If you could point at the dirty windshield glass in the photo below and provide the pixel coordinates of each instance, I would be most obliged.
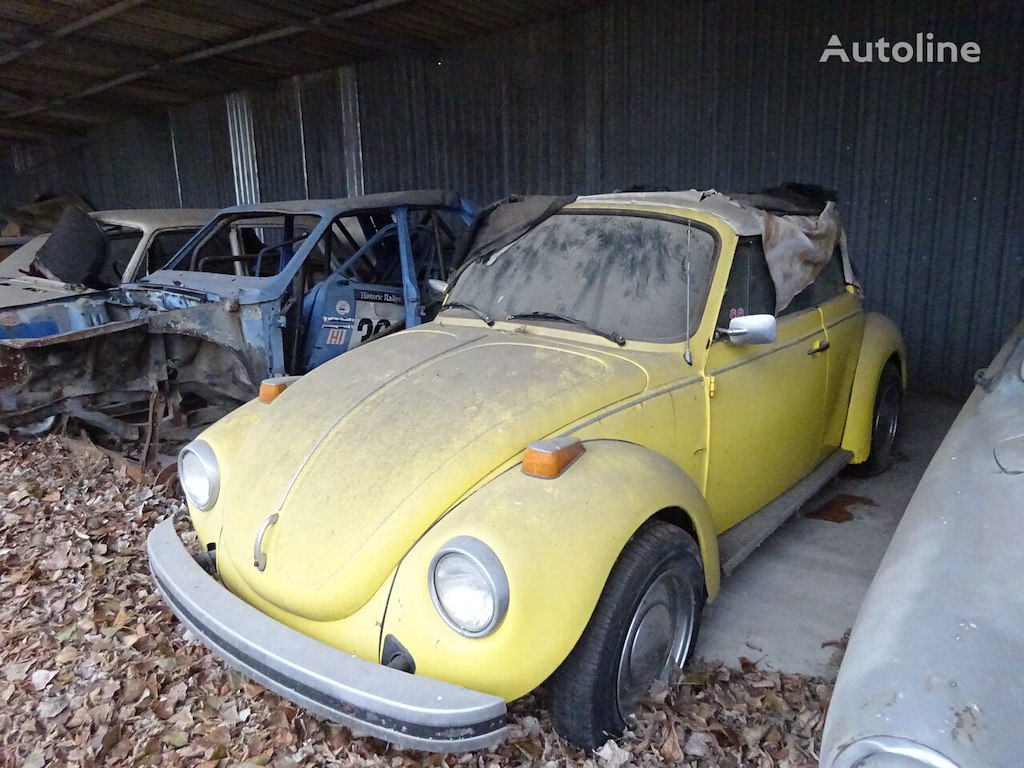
(618, 273)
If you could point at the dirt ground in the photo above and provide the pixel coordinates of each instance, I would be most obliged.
(94, 670)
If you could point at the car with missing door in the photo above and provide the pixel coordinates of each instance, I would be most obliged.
(621, 397)
(263, 290)
(91, 251)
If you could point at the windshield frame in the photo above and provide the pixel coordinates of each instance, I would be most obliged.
(698, 309)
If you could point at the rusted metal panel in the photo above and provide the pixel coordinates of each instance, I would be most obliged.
(183, 346)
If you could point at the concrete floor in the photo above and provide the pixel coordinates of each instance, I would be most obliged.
(802, 587)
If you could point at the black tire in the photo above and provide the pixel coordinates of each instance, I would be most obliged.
(885, 422)
(656, 584)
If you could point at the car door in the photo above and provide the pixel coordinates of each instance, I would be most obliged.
(766, 402)
(842, 314)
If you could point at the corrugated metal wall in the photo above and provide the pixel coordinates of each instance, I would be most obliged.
(928, 159)
(27, 171)
(132, 164)
(203, 154)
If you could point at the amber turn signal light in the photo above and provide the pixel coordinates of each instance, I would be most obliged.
(550, 458)
(271, 388)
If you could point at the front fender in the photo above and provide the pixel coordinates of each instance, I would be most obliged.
(881, 342)
(557, 541)
(225, 437)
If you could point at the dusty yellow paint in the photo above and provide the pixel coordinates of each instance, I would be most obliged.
(766, 419)
(881, 342)
(575, 526)
(379, 457)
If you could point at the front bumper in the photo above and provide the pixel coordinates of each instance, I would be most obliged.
(410, 711)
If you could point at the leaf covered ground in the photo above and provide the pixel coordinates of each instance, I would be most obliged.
(94, 670)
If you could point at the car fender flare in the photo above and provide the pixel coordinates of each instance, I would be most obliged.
(882, 342)
(577, 524)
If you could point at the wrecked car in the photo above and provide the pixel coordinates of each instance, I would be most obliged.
(929, 678)
(91, 251)
(621, 397)
(263, 290)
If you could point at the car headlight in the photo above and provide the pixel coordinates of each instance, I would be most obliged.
(469, 587)
(199, 474)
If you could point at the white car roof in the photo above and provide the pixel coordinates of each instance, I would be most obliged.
(157, 218)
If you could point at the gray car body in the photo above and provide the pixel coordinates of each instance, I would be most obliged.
(931, 675)
(18, 286)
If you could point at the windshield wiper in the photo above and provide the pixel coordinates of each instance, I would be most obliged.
(618, 338)
(475, 310)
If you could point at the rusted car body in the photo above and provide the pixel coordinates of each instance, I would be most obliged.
(125, 245)
(263, 290)
(930, 678)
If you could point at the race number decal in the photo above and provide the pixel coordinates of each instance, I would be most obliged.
(367, 328)
(376, 311)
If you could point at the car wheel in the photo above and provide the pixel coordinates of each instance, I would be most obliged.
(643, 629)
(885, 422)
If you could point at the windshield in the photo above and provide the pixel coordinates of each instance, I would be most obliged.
(616, 272)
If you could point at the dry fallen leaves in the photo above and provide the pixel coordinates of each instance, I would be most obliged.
(94, 670)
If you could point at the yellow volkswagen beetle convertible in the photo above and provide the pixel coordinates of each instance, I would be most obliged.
(621, 397)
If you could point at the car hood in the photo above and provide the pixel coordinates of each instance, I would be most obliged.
(16, 292)
(363, 455)
(247, 290)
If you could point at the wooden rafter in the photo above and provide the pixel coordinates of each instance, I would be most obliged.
(69, 29)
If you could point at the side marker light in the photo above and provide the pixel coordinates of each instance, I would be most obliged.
(271, 388)
(550, 458)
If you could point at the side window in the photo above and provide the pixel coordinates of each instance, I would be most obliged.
(123, 243)
(749, 290)
(829, 283)
(162, 247)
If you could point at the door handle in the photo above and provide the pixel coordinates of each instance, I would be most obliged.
(819, 346)
(258, 558)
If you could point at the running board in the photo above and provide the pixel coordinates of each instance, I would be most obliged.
(736, 544)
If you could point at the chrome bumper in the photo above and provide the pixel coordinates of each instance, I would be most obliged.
(410, 711)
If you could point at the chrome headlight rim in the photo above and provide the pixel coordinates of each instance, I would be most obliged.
(489, 566)
(208, 460)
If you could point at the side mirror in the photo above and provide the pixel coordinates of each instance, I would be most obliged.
(751, 329)
(437, 288)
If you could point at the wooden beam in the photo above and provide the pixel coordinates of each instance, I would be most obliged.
(44, 125)
(69, 29)
(207, 53)
(45, 98)
(344, 31)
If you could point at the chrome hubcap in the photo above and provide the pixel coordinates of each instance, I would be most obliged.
(659, 636)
